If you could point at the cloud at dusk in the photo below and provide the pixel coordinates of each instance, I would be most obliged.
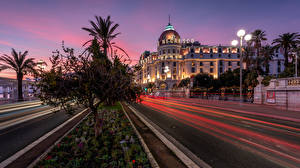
(40, 26)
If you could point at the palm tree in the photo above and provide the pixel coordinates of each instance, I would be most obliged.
(104, 31)
(18, 63)
(267, 53)
(258, 36)
(287, 42)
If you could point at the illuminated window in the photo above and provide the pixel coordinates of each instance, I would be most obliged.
(215, 50)
(197, 50)
(206, 50)
(201, 55)
(234, 50)
(193, 63)
(225, 50)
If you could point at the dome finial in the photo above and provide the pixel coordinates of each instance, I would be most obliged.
(169, 26)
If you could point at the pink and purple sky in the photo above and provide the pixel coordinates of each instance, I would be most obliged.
(39, 26)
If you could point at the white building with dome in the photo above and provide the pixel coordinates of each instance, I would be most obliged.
(177, 59)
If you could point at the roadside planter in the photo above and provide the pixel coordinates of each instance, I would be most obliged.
(117, 146)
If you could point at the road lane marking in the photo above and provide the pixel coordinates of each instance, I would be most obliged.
(167, 141)
(16, 121)
(30, 146)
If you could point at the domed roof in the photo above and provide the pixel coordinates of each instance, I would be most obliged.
(169, 34)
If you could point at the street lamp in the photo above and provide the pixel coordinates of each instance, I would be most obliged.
(241, 34)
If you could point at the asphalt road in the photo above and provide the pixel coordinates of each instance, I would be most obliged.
(227, 138)
(16, 137)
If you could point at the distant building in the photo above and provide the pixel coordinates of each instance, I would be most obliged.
(177, 59)
(9, 89)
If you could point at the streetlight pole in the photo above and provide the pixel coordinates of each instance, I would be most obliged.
(241, 34)
(241, 69)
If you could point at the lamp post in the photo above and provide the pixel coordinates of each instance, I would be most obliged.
(241, 34)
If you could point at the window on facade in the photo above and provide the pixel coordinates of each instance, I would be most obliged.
(229, 63)
(221, 63)
(193, 69)
(174, 63)
(229, 55)
(174, 51)
(173, 56)
(211, 63)
(211, 55)
(238, 55)
(201, 70)
(169, 51)
(279, 70)
(174, 70)
(177, 51)
(174, 76)
(219, 50)
(201, 55)
(192, 50)
(278, 63)
(163, 64)
(219, 55)
(221, 70)
(238, 63)
(211, 70)
(211, 50)
(193, 63)
(201, 63)
(164, 51)
(276, 55)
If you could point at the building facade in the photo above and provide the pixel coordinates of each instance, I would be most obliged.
(177, 59)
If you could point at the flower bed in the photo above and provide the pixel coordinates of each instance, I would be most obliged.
(117, 146)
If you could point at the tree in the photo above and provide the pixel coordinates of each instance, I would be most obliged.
(287, 42)
(203, 80)
(258, 36)
(89, 80)
(267, 56)
(21, 65)
(103, 30)
(184, 82)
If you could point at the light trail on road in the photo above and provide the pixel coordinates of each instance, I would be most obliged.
(278, 143)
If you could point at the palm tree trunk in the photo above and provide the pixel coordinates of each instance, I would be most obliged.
(286, 58)
(20, 89)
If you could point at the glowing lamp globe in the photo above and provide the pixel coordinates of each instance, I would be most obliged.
(248, 37)
(241, 33)
(234, 42)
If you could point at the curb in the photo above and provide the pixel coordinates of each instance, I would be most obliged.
(184, 154)
(33, 144)
(152, 160)
(42, 156)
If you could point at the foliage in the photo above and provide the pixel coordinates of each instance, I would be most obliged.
(20, 64)
(89, 79)
(184, 82)
(117, 146)
(203, 80)
(288, 42)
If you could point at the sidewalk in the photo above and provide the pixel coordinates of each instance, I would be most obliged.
(246, 108)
